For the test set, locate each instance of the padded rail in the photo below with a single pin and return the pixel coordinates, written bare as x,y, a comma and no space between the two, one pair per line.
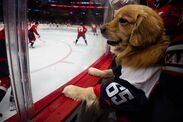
56,107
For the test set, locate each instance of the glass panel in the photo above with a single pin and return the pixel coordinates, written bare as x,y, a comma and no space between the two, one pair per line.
57,52
16,47
7,102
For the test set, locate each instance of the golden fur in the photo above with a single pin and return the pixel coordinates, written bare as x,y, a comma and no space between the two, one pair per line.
140,35
138,29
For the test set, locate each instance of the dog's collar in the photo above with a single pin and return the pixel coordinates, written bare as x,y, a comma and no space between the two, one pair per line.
113,43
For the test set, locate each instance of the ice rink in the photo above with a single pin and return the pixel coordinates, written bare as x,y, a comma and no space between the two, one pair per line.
56,59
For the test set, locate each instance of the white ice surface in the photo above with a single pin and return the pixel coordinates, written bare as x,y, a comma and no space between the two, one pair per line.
55,60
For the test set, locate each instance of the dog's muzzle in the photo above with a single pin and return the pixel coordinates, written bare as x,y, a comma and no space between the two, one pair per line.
113,43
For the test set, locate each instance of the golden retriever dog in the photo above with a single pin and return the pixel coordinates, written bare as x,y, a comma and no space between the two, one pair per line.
135,36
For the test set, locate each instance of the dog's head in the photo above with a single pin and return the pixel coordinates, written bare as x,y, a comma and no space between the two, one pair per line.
136,25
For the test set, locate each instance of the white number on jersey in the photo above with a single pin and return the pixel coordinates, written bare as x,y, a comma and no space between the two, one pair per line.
118,93
80,29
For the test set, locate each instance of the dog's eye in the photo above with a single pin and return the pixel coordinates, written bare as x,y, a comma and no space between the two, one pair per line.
122,21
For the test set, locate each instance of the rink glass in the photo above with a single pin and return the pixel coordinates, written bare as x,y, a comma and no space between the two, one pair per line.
16,47
55,59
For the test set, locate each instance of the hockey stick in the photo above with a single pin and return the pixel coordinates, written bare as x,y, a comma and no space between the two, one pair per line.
39,38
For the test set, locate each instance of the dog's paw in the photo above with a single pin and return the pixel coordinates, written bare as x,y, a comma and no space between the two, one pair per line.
94,71
70,91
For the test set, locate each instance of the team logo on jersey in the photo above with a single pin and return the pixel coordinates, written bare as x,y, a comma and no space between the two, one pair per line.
118,93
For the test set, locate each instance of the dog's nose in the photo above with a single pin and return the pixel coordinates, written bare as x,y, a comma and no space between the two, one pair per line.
103,29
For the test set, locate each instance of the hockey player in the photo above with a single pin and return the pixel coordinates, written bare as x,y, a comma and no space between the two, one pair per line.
31,32
94,29
81,33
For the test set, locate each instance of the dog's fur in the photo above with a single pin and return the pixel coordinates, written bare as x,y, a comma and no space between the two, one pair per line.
135,34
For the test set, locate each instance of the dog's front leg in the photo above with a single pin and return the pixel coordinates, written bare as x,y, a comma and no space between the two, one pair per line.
101,73
78,93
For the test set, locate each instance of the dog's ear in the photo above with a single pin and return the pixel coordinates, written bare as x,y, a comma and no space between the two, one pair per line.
135,38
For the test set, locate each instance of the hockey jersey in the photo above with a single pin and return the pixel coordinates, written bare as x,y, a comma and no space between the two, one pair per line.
82,30
128,93
31,32
94,27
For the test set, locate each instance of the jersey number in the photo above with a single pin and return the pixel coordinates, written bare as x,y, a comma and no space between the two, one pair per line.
118,94
81,29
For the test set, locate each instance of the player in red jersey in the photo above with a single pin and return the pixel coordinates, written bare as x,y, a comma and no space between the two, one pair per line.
94,29
31,32
81,33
